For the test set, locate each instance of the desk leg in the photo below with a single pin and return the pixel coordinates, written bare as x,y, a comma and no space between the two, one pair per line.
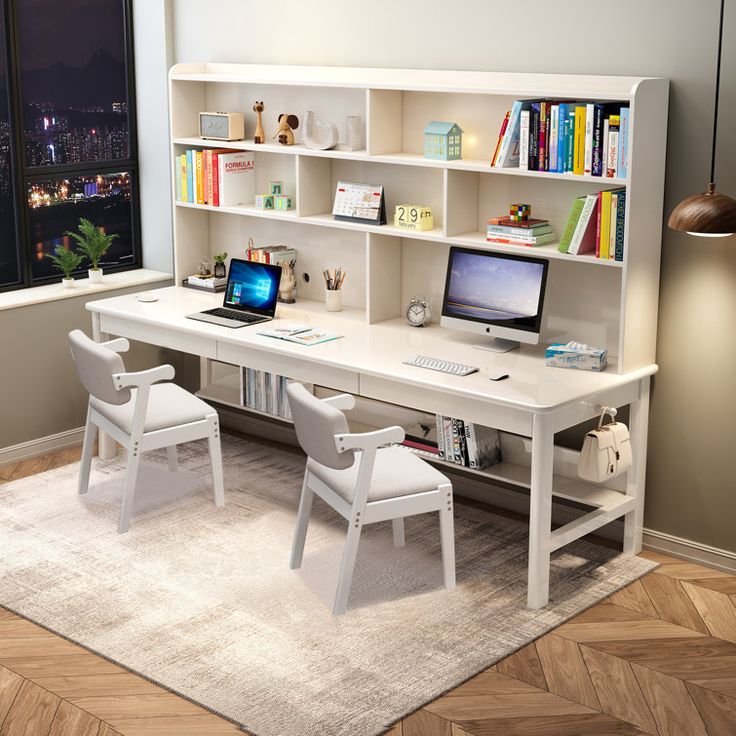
540,511
105,444
636,476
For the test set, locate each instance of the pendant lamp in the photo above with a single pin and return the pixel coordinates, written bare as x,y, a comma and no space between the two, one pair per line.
709,214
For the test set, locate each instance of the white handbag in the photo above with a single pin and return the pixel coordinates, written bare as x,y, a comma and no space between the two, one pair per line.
606,450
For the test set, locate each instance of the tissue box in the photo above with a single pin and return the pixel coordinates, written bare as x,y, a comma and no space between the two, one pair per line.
584,358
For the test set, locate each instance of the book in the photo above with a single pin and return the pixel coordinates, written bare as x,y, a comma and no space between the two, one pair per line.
604,224
177,178
190,176
208,176
562,123
508,154
501,134
534,112
237,182
554,135
542,151
524,140
620,213
486,446
612,226
612,146
309,336
506,239
536,230
529,224
572,222
578,163
622,168
199,179
583,239
588,154
597,154
182,174
570,140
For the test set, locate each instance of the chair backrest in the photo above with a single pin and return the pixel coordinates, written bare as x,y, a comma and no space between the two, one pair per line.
316,425
96,366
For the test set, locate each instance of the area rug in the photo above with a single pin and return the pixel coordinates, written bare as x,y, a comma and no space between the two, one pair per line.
202,601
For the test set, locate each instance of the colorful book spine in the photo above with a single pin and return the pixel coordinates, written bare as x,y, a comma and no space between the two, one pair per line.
588,154
182,174
524,140
506,239
597,162
623,143
612,148
215,179
578,166
510,230
562,128
510,140
583,239
554,136
604,224
534,136
190,177
542,151
612,226
570,140
620,223
501,134
572,221
208,176
199,178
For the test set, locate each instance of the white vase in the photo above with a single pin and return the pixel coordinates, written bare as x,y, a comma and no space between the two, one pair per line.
319,134
333,300
95,275
67,283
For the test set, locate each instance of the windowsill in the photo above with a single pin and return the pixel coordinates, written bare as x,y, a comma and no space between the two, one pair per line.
81,288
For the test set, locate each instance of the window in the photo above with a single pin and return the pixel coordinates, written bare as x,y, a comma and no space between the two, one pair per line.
67,134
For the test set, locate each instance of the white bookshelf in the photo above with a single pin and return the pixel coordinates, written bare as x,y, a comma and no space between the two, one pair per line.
601,302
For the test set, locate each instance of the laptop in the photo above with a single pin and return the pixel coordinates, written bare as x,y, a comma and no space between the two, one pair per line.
250,296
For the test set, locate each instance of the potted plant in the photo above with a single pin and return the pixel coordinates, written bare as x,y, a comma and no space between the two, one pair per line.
66,261
220,271
93,242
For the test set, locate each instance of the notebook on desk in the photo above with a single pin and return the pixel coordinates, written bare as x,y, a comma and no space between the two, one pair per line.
250,295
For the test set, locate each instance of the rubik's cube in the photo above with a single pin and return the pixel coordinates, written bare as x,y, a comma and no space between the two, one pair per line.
520,212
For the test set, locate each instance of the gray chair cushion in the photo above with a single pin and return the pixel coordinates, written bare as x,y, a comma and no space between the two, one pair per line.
316,424
397,472
96,366
168,406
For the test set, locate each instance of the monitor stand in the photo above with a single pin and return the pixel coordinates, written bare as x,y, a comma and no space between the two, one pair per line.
499,345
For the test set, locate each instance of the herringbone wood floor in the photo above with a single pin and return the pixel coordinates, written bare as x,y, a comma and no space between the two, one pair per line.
658,658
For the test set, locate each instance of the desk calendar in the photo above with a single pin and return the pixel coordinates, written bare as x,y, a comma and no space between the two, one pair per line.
359,203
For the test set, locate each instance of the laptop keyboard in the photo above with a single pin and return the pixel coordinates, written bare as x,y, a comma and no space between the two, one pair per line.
232,314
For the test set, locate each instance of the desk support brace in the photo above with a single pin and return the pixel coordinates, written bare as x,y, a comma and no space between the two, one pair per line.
540,510
106,449
636,476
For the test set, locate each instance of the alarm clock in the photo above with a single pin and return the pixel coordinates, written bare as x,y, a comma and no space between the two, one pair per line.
222,126
417,313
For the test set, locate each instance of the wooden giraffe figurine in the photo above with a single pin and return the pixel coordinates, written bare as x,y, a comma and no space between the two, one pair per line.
260,135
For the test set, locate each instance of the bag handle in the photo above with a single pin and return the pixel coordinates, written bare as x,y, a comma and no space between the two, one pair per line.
611,411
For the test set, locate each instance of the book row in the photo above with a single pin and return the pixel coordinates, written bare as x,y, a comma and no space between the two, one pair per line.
217,177
581,138
596,225
266,392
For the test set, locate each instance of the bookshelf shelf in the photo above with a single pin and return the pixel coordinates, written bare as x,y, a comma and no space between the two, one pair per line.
603,302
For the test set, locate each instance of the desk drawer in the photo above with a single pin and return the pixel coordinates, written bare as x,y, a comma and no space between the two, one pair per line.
291,366
165,337
440,402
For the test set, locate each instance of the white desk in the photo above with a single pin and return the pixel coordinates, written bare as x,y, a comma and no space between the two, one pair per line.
534,401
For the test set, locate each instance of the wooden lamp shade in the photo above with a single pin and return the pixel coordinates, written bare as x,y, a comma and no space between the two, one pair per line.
706,214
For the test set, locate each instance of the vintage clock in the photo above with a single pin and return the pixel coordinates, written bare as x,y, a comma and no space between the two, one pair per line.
417,313
222,126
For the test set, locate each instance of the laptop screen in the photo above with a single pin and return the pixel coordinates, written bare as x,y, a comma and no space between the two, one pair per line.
252,287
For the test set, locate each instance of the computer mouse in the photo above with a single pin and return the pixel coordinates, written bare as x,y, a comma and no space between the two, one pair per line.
146,296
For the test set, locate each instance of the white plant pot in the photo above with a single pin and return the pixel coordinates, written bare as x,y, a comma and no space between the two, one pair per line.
95,275
333,300
67,283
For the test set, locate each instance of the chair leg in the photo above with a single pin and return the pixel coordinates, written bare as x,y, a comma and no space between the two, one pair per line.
447,540
398,527
86,464
171,457
216,462
346,568
129,491
302,522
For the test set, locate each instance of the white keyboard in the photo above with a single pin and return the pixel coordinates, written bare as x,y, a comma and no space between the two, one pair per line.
443,366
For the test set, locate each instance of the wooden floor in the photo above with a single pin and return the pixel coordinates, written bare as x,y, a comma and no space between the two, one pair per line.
657,658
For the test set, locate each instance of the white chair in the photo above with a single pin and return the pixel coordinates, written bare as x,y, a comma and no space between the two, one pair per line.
376,483
139,413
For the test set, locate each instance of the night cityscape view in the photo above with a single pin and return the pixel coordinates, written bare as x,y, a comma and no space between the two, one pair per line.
74,110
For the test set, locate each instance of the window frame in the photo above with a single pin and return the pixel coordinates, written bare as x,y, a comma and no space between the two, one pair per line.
23,175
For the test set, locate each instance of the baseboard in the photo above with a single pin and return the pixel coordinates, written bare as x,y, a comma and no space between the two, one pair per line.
689,550
41,446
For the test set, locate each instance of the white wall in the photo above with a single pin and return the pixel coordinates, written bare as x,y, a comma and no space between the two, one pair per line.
690,478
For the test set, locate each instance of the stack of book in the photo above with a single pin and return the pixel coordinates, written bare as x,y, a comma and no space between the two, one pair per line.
565,137
530,232
596,225
277,255
266,392
468,444
217,177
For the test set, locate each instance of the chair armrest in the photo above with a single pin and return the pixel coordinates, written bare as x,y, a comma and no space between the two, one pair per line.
369,440
144,378
341,401
119,345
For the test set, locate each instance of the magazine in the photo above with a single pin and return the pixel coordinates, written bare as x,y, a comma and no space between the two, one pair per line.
300,334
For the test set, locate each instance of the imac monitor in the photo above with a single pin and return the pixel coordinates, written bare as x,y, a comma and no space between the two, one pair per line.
495,294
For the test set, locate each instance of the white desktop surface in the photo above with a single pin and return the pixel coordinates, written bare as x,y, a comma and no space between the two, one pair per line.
378,350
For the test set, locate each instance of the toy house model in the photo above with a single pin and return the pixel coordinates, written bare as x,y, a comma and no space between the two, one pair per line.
443,141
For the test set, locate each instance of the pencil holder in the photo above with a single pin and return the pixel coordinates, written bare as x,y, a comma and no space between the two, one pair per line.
333,300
